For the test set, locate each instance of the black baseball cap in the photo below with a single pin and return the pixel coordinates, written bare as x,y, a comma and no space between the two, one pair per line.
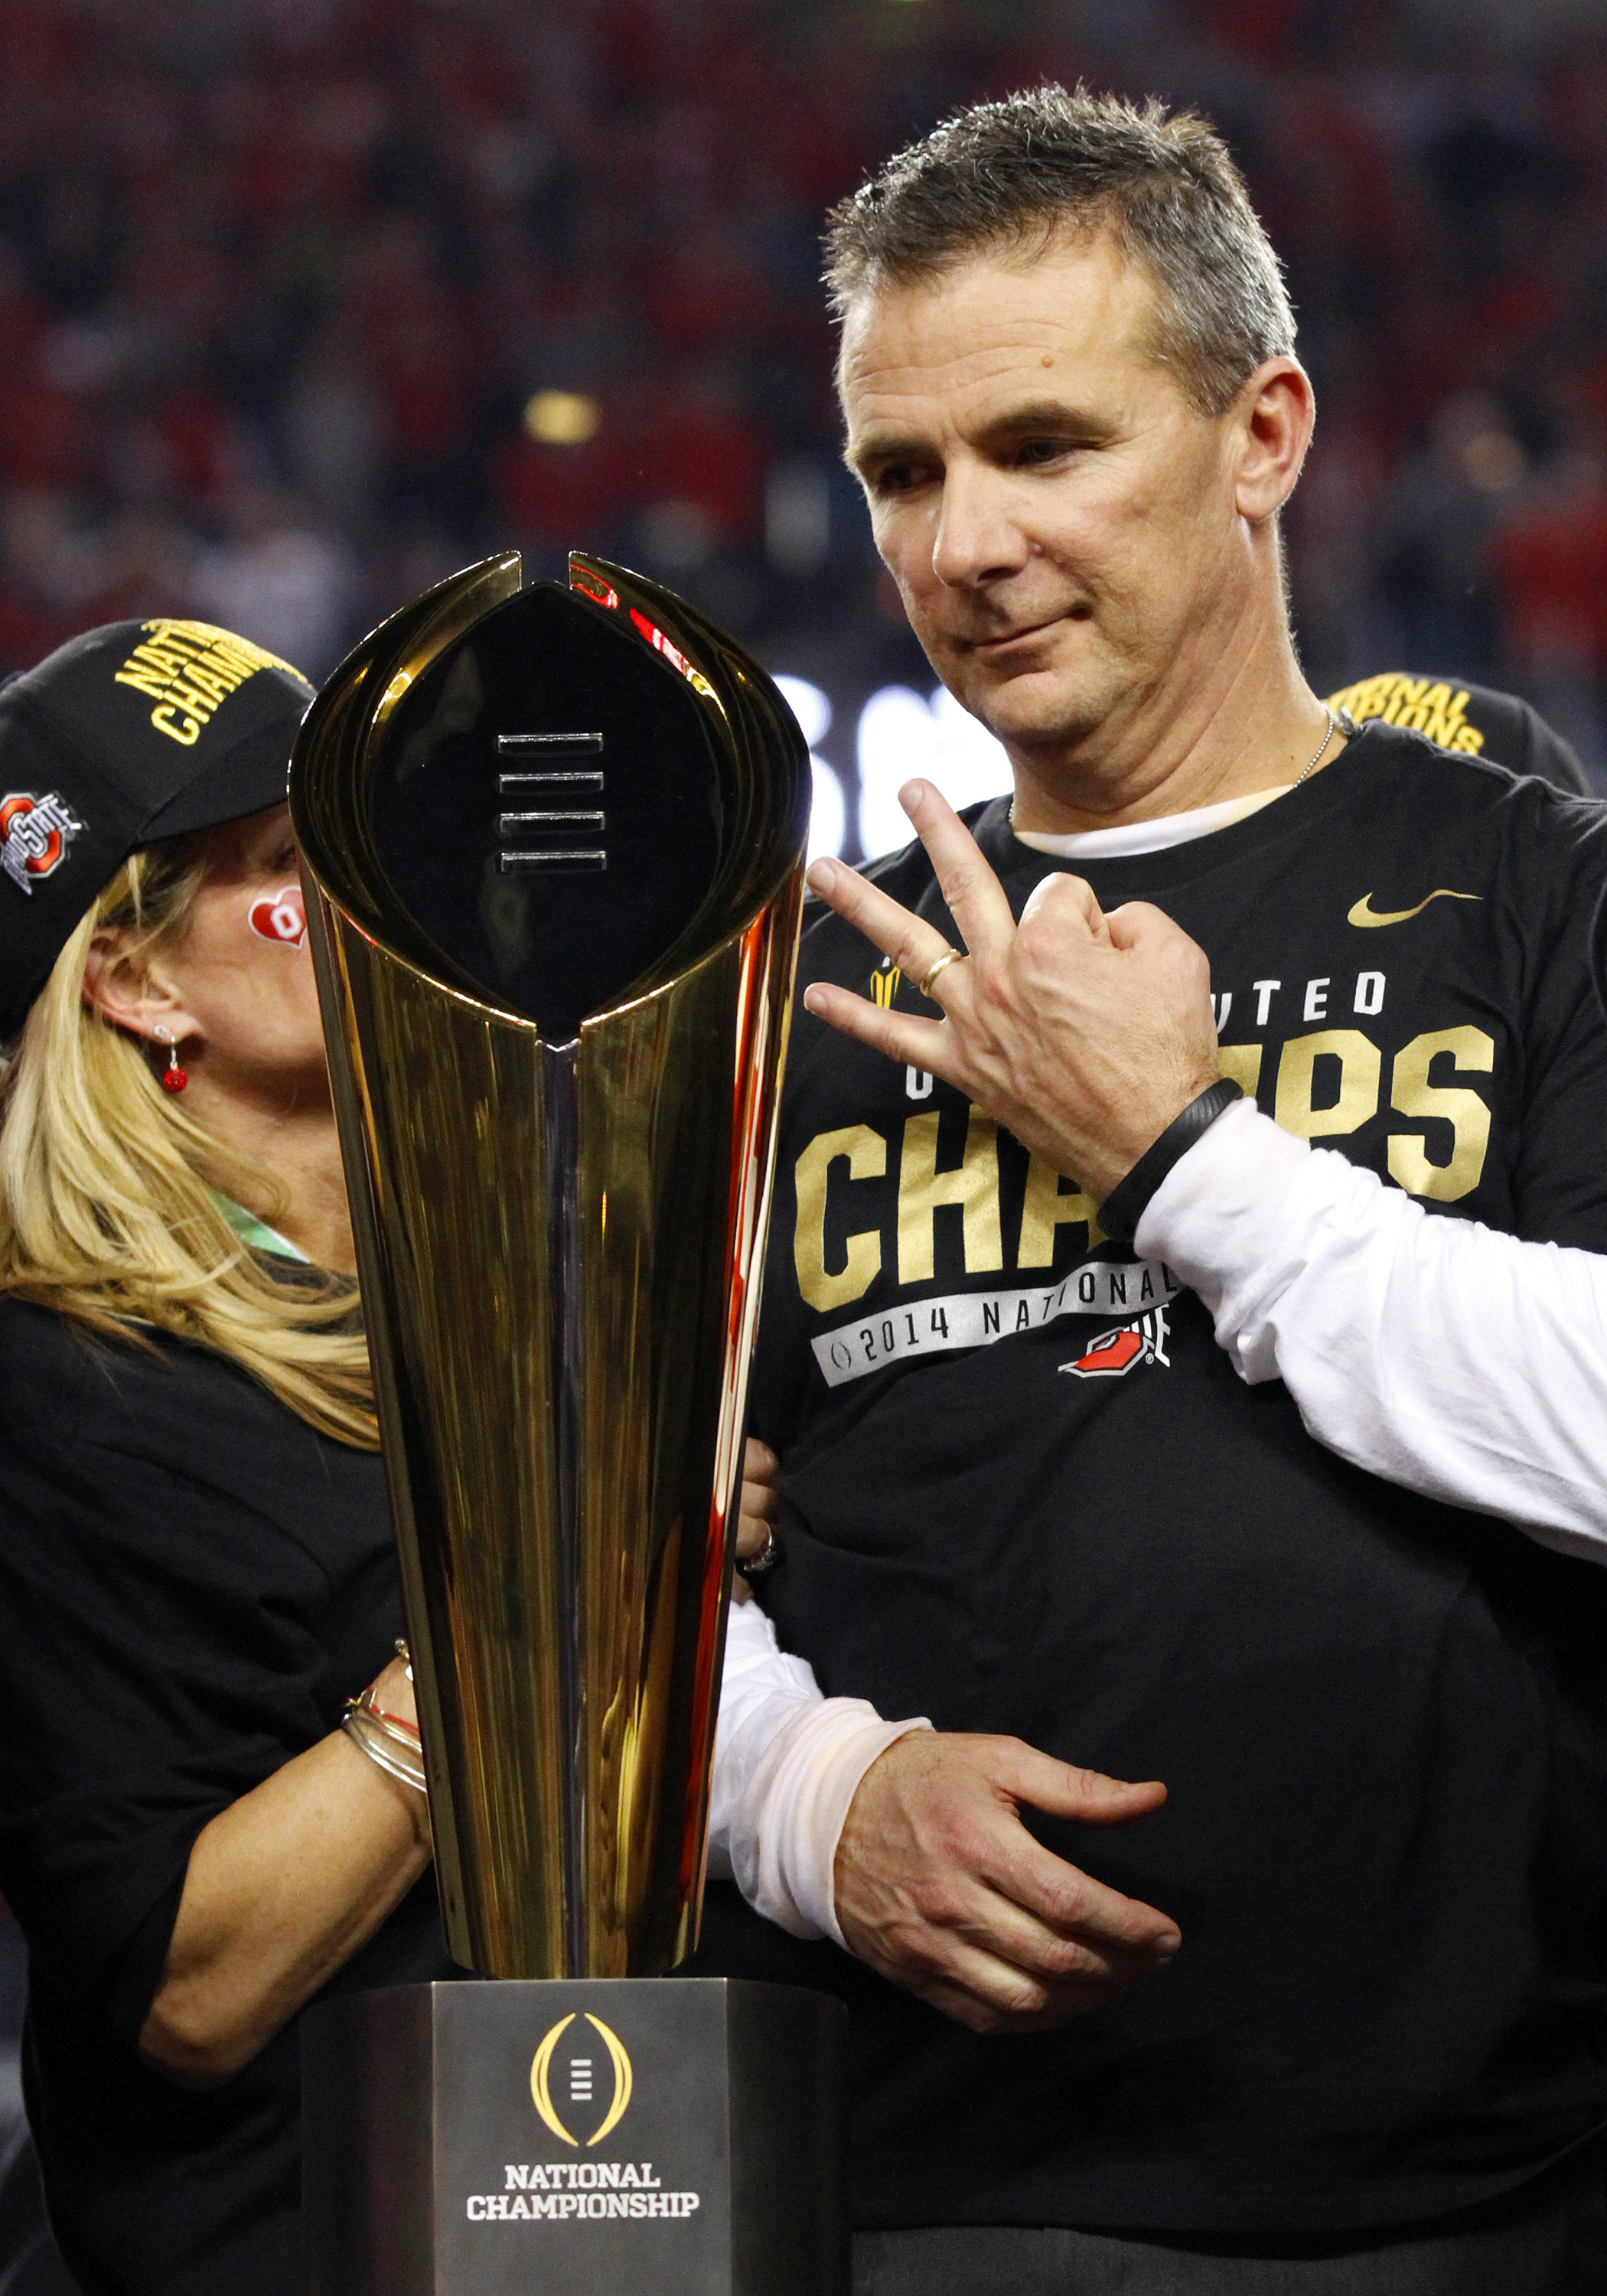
133,731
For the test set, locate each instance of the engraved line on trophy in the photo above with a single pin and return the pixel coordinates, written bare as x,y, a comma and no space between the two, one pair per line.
551,781
544,744
509,823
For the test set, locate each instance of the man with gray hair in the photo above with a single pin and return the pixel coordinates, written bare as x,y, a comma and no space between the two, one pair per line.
1326,2013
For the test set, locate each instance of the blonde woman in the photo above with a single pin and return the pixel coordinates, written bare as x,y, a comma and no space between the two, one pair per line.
195,1568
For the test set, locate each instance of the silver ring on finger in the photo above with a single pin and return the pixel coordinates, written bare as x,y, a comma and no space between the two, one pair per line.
949,956
767,1559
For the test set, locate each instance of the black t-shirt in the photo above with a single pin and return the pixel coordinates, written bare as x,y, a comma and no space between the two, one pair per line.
1025,1492
192,1582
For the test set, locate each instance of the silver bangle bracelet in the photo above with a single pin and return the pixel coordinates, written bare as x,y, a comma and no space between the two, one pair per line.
389,1752
371,1718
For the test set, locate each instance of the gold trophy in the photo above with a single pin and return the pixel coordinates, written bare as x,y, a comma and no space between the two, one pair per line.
553,842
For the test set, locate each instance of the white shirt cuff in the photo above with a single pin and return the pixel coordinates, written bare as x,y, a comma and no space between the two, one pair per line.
787,1763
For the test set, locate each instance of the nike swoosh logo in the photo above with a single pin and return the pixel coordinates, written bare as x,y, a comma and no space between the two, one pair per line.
1361,914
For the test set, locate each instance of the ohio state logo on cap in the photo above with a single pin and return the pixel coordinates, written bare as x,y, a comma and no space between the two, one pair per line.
34,833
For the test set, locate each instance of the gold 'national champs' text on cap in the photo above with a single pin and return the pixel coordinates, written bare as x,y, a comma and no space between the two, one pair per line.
1399,699
187,668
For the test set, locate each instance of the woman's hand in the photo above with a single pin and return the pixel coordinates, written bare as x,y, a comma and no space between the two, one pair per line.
760,1509
1084,1034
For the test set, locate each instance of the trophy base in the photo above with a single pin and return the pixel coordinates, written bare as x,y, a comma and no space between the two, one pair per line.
574,2137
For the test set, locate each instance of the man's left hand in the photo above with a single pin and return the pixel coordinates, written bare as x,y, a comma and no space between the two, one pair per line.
1082,1034
758,1508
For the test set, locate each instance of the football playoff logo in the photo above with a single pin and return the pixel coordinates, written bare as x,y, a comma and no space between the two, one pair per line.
581,2086
34,833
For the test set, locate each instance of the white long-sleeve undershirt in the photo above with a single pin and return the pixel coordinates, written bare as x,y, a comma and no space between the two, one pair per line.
1445,1356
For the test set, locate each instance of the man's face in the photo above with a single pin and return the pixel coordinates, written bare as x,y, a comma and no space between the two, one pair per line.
1060,522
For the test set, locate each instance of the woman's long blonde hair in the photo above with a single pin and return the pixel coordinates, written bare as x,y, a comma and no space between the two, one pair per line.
107,1212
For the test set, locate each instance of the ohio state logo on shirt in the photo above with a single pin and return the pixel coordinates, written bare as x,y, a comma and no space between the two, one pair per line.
1114,1353
34,833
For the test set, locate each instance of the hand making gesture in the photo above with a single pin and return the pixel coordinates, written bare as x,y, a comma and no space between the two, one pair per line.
1082,1034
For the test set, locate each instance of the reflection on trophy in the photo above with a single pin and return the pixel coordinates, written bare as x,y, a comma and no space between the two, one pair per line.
555,842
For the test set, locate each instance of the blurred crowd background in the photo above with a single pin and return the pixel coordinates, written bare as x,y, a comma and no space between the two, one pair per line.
305,303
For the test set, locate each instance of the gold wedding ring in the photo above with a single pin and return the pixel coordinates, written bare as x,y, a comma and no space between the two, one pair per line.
923,986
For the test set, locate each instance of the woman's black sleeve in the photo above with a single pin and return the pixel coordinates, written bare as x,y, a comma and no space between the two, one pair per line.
164,1636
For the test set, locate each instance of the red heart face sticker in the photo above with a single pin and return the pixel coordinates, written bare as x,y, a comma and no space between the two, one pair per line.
281,916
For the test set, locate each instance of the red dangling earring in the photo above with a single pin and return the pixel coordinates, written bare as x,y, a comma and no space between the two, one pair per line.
174,1078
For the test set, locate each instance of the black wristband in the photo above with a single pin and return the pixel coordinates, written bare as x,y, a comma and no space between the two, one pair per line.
1125,1206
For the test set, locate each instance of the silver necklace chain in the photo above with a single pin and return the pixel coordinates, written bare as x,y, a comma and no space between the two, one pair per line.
1328,734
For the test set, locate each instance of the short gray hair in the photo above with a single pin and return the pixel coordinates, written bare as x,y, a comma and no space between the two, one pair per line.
1006,174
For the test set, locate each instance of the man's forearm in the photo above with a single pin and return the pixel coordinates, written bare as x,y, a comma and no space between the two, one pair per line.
787,1763
1454,1361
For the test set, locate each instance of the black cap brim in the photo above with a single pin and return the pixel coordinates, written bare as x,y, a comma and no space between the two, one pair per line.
247,779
